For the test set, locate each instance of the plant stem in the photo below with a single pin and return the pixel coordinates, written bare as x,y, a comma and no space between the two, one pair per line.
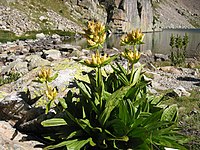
99,85
134,48
132,72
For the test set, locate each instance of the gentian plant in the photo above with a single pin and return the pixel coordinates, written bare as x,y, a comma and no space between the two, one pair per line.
112,110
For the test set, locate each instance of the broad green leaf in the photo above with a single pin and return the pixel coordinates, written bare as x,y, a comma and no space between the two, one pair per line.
121,75
121,68
170,113
136,75
109,60
83,89
54,122
62,102
157,99
75,133
112,102
72,144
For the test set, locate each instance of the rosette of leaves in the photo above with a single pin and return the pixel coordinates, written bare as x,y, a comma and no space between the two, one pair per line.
95,34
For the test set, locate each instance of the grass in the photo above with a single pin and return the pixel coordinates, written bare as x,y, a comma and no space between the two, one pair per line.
10,36
189,116
40,8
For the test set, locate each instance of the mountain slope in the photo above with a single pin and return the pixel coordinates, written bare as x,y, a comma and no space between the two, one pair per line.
20,16
177,13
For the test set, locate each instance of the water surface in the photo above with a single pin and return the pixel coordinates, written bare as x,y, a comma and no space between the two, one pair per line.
158,42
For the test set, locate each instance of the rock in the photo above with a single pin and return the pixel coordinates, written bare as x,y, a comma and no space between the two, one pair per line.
158,86
191,65
35,61
13,107
51,54
180,91
40,36
161,57
56,36
17,65
68,47
43,18
147,53
11,139
170,69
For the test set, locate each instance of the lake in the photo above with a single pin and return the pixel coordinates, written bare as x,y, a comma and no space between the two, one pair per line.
157,42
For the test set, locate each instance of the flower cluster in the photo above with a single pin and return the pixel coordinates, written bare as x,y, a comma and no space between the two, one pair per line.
51,93
97,60
95,34
133,38
44,74
133,57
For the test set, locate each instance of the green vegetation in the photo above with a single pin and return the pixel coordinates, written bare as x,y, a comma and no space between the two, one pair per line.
40,7
12,76
111,110
189,116
10,36
178,56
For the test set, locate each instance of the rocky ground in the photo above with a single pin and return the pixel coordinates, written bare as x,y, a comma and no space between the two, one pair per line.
27,57
177,13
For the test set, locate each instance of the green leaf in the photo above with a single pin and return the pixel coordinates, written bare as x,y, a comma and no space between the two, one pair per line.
170,113
54,122
75,133
72,144
121,74
62,102
48,106
121,68
53,77
112,102
137,75
83,89
109,60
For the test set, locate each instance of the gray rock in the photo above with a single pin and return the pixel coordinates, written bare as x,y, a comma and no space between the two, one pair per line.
171,69
40,36
35,61
17,65
161,57
11,139
55,36
68,47
13,107
180,91
52,54
43,18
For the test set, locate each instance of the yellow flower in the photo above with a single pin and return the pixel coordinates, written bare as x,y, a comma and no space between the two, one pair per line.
96,60
133,57
133,38
44,74
95,34
51,93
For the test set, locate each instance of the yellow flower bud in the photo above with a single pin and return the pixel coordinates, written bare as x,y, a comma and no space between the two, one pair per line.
51,93
45,74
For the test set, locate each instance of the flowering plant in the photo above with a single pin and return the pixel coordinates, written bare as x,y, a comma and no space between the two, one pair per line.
113,110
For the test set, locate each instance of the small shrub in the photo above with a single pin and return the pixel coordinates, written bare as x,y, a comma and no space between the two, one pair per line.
10,77
178,56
